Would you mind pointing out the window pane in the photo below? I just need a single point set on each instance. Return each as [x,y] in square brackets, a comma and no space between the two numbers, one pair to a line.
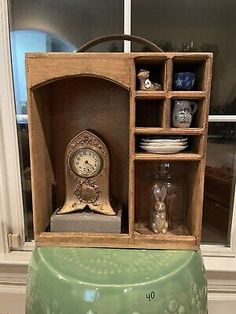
[219,183]
[52,26]
[201,25]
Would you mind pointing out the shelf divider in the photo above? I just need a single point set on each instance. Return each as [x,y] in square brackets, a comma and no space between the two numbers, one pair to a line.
[169,70]
[166,122]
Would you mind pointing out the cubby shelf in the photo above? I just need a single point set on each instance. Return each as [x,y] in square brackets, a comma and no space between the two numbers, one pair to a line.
[69,92]
[178,156]
[150,94]
[169,131]
[187,94]
[170,94]
[143,234]
[142,229]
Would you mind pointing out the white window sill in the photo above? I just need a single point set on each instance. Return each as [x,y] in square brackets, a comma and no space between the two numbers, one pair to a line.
[15,258]
[212,263]
[221,271]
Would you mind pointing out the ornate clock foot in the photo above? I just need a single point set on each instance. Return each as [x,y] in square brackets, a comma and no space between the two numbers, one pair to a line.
[71,207]
[104,209]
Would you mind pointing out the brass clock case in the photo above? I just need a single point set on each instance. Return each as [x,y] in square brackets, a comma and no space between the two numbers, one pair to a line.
[85,187]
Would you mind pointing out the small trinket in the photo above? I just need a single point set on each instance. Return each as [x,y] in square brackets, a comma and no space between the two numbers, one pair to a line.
[145,83]
[184,81]
[183,112]
[158,216]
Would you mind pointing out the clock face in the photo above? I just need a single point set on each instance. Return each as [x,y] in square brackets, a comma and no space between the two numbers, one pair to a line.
[86,163]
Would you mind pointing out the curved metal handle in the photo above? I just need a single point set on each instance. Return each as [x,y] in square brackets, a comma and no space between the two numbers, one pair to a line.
[112,37]
[194,106]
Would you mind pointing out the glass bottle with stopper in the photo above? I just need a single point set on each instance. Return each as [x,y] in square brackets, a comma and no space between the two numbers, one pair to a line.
[176,194]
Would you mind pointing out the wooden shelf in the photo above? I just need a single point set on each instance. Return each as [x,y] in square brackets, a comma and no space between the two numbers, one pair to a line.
[80,239]
[67,94]
[170,94]
[170,243]
[178,156]
[140,228]
[150,94]
[187,94]
[69,239]
[169,131]
[142,233]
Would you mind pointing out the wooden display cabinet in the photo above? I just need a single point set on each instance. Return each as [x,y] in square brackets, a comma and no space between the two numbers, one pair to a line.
[68,93]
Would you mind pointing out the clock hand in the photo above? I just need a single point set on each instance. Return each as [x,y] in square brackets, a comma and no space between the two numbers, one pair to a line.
[87,163]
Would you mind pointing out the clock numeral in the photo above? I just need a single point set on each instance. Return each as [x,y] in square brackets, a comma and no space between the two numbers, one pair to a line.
[86,161]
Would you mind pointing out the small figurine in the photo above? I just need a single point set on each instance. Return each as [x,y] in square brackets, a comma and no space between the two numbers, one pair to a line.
[158,216]
[145,83]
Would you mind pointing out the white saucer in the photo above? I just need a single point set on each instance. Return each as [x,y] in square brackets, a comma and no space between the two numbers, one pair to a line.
[164,140]
[163,145]
[163,150]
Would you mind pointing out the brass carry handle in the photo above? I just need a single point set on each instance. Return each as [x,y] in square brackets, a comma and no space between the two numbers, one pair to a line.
[112,37]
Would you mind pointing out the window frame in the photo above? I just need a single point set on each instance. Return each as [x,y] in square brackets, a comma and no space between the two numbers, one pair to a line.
[11,203]
[218,249]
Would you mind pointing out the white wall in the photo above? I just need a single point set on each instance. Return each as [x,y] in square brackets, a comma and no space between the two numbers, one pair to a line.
[12,300]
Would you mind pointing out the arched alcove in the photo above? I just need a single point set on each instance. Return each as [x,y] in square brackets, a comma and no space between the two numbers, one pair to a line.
[63,108]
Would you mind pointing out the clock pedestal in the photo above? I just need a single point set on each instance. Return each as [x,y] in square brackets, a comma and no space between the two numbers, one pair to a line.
[86,221]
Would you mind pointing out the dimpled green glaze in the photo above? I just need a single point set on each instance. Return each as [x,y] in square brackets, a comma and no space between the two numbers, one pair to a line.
[115,281]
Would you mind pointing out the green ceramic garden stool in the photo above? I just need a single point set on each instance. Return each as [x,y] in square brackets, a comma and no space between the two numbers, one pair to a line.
[115,281]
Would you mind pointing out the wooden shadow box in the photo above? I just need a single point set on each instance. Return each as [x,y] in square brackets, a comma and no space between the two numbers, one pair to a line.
[71,92]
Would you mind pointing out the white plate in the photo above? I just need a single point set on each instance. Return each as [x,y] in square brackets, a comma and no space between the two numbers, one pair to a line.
[163,141]
[164,138]
[156,145]
[163,150]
